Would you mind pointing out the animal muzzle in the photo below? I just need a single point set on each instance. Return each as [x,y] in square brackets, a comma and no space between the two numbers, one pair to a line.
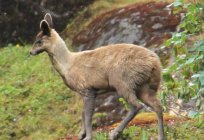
[35,52]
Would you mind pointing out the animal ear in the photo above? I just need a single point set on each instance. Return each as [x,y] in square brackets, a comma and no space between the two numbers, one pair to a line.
[44,26]
[48,18]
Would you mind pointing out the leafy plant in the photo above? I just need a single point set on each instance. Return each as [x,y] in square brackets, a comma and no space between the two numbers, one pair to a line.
[124,102]
[186,75]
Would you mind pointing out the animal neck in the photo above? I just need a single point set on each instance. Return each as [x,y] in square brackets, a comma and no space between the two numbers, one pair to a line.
[60,56]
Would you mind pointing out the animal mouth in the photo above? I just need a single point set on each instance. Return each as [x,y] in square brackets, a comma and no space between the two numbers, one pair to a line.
[35,52]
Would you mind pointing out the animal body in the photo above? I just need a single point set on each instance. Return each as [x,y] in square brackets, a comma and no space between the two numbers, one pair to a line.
[132,71]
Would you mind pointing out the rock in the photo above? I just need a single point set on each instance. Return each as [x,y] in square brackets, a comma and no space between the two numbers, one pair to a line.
[19,19]
[142,24]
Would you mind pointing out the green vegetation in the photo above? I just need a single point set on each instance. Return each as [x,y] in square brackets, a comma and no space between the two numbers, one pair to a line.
[185,77]
[175,131]
[34,102]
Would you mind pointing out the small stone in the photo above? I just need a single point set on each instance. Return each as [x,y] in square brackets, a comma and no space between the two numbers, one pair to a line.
[157,26]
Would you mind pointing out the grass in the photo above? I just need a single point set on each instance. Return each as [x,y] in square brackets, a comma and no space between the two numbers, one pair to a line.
[34,102]
[175,128]
[177,131]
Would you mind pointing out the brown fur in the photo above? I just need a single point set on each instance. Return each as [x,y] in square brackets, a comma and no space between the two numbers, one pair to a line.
[113,66]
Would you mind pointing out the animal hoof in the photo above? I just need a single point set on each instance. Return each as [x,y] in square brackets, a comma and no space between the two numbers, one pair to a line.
[82,135]
[113,135]
[161,138]
[87,138]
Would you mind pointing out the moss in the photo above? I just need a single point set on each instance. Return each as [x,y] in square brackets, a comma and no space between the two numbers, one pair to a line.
[144,127]
[91,12]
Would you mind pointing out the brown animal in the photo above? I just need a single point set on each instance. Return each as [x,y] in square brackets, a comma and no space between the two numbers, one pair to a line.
[132,71]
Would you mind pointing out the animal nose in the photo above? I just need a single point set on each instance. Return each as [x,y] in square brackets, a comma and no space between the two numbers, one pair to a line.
[32,53]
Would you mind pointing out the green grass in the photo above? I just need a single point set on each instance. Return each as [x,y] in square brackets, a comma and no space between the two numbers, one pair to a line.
[34,102]
[189,130]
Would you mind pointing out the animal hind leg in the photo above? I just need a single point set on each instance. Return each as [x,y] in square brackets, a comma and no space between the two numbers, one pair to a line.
[149,98]
[131,114]
[135,107]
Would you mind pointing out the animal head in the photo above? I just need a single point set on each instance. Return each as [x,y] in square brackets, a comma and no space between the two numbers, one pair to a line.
[45,39]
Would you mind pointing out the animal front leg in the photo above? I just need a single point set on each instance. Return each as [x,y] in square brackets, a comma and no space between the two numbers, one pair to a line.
[88,113]
[82,133]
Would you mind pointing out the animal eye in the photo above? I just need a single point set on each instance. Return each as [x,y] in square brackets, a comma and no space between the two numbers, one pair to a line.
[39,42]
